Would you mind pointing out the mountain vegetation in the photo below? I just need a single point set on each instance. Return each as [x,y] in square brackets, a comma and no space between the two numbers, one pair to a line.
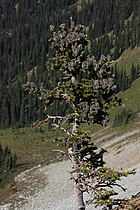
[87,86]
[7,164]
[24,32]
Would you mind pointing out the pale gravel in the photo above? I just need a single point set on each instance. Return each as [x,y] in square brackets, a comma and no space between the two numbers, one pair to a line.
[57,192]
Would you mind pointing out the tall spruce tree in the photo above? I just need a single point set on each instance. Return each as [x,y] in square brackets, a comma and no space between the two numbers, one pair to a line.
[87,86]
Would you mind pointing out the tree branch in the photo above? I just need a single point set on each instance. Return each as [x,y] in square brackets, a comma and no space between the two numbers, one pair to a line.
[60,151]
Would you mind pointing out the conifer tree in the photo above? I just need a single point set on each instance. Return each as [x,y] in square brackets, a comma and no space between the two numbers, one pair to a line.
[7,163]
[87,86]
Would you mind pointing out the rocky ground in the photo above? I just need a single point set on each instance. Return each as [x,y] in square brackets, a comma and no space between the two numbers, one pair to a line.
[50,187]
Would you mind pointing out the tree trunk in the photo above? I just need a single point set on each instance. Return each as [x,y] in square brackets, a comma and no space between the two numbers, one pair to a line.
[80,205]
[79,200]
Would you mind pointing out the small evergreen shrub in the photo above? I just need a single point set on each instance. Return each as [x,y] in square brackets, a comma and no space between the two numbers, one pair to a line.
[7,164]
[123,117]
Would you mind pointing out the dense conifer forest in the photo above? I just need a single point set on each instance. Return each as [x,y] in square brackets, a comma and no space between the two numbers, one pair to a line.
[113,27]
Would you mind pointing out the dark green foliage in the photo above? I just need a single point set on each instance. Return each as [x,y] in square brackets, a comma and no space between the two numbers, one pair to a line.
[7,164]
[24,33]
[135,72]
[122,80]
[115,26]
[23,46]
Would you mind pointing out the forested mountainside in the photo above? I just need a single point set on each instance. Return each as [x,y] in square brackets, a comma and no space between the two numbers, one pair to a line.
[112,25]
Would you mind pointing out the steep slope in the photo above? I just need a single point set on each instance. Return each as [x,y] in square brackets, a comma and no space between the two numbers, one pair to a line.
[127,58]
[50,187]
[24,32]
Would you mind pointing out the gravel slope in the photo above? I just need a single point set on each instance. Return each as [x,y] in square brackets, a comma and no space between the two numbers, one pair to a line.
[56,192]
[56,195]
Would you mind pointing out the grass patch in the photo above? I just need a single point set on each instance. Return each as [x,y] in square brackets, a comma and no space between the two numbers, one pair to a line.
[30,144]
[130,97]
[130,100]
[32,147]
[127,58]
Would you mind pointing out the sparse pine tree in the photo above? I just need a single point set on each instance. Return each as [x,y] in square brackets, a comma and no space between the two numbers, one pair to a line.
[87,86]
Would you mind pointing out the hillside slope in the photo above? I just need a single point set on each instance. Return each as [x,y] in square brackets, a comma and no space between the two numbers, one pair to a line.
[54,181]
[24,32]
